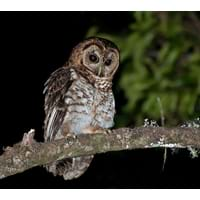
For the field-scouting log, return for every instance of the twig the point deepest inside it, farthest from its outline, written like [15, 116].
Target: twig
[162, 124]
[161, 112]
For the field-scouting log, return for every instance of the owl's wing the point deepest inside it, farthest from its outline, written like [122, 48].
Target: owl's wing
[55, 109]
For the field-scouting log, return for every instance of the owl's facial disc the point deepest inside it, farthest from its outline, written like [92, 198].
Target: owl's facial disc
[92, 59]
[111, 62]
[100, 61]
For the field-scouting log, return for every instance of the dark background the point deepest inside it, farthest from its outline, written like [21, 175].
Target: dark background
[34, 44]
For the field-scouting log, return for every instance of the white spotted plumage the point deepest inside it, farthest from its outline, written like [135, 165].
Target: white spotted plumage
[79, 99]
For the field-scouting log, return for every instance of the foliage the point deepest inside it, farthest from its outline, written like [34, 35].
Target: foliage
[160, 58]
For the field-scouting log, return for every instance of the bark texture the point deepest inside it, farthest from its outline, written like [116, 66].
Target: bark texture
[28, 153]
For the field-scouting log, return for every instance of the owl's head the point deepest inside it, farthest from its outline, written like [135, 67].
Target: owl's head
[97, 56]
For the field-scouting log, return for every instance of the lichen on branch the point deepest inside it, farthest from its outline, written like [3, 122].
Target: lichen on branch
[28, 153]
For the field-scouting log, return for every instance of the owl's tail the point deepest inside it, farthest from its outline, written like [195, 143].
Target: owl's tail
[70, 168]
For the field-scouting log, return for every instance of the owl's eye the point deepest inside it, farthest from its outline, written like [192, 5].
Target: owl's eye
[94, 58]
[108, 62]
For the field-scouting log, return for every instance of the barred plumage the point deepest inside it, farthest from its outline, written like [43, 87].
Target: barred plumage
[79, 99]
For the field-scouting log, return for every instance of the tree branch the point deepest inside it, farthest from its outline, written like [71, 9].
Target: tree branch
[29, 153]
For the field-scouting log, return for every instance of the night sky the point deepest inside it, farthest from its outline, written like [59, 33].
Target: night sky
[34, 44]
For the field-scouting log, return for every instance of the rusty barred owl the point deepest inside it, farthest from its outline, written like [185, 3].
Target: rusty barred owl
[79, 99]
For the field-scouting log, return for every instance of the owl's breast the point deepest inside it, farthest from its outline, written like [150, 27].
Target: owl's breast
[88, 107]
[104, 109]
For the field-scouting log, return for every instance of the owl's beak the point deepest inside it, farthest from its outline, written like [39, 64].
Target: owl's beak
[100, 71]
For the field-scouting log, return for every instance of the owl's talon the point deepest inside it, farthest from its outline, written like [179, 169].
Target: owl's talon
[107, 131]
[102, 131]
[71, 135]
[74, 136]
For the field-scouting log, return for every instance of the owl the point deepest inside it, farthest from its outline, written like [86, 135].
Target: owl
[79, 99]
